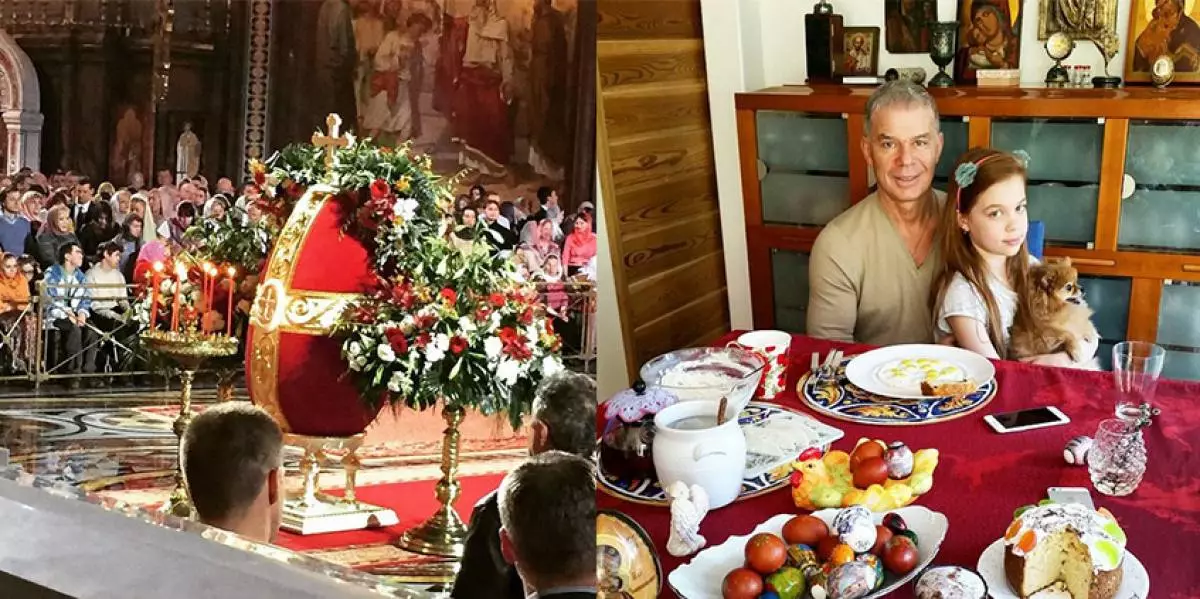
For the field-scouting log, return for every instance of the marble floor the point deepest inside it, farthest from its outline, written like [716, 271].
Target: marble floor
[117, 443]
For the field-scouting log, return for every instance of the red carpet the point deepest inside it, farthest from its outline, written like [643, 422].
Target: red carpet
[413, 502]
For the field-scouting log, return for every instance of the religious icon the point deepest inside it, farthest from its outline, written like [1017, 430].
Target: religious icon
[860, 51]
[1080, 19]
[989, 37]
[187, 154]
[907, 25]
[1164, 28]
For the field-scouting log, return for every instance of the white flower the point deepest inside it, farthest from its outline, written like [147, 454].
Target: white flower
[508, 372]
[492, 347]
[531, 333]
[551, 366]
[433, 354]
[394, 382]
[442, 342]
[385, 353]
[368, 343]
[495, 319]
[358, 363]
[405, 208]
[355, 349]
[466, 324]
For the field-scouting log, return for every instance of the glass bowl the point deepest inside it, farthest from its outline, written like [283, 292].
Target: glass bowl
[715, 372]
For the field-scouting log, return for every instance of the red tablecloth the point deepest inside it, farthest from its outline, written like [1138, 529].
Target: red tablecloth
[982, 476]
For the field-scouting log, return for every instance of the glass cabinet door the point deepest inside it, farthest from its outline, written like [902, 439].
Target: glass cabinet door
[789, 271]
[1109, 299]
[1064, 172]
[1163, 160]
[804, 167]
[1179, 330]
[956, 140]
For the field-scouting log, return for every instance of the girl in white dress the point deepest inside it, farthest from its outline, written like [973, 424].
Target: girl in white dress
[986, 277]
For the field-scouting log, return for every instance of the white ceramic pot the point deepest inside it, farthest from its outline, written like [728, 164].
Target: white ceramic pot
[712, 456]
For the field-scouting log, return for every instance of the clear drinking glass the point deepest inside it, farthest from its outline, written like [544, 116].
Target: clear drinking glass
[1136, 366]
[1117, 459]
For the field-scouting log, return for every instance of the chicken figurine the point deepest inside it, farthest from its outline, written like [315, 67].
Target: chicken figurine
[874, 475]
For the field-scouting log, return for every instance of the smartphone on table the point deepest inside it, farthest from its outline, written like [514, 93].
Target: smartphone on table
[1024, 420]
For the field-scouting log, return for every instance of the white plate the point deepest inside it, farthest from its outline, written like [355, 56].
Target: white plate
[702, 577]
[864, 370]
[1135, 582]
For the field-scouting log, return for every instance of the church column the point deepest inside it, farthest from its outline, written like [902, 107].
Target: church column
[24, 139]
[258, 69]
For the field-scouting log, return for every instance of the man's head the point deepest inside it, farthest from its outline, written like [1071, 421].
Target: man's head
[83, 191]
[547, 196]
[491, 210]
[548, 521]
[164, 177]
[225, 186]
[12, 199]
[564, 415]
[232, 456]
[187, 192]
[902, 140]
[137, 180]
[70, 255]
[110, 255]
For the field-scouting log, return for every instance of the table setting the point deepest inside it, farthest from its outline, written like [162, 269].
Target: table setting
[781, 466]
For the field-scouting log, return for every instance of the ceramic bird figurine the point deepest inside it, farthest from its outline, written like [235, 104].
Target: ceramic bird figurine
[688, 507]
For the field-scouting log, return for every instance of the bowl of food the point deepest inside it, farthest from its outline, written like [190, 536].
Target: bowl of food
[707, 374]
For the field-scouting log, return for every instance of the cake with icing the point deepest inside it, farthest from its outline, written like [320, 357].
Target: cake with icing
[1067, 545]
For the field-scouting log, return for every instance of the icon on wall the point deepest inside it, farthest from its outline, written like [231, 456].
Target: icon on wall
[989, 37]
[908, 24]
[860, 51]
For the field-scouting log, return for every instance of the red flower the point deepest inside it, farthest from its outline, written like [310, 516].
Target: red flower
[482, 313]
[365, 315]
[527, 316]
[380, 189]
[458, 345]
[449, 295]
[423, 339]
[507, 335]
[397, 340]
[550, 326]
[426, 321]
[496, 299]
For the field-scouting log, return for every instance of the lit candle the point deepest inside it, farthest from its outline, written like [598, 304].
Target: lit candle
[155, 280]
[181, 275]
[206, 290]
[229, 309]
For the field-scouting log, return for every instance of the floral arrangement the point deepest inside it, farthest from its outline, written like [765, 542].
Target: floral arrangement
[230, 241]
[441, 323]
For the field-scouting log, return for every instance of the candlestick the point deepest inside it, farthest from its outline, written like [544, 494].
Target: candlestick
[181, 274]
[154, 284]
[229, 309]
[206, 290]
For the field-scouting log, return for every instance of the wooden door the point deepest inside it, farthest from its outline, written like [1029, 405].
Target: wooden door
[654, 150]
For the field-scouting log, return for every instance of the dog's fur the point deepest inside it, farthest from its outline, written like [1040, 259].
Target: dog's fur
[1058, 318]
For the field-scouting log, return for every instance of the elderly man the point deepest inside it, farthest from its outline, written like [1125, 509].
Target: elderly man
[564, 416]
[232, 460]
[872, 267]
[548, 517]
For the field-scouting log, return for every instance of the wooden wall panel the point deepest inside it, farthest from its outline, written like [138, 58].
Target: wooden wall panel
[657, 160]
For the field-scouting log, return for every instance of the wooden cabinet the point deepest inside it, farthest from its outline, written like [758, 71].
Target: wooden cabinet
[1114, 175]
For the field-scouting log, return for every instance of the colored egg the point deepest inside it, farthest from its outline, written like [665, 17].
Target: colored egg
[851, 581]
[818, 584]
[787, 583]
[768, 595]
[912, 536]
[899, 460]
[859, 535]
[847, 518]
[876, 564]
[803, 557]
[894, 522]
[1075, 453]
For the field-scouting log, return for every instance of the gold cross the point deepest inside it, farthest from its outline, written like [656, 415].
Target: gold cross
[331, 141]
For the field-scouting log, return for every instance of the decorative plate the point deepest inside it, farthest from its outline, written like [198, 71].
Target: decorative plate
[775, 435]
[702, 577]
[845, 401]
[627, 565]
[897, 371]
[1135, 581]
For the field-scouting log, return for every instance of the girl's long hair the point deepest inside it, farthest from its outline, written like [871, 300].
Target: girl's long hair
[959, 253]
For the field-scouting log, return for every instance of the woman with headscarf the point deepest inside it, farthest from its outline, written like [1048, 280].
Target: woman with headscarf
[31, 207]
[130, 241]
[141, 207]
[173, 230]
[580, 245]
[543, 241]
[121, 205]
[57, 230]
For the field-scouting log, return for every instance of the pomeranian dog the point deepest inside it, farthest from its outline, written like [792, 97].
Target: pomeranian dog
[1058, 318]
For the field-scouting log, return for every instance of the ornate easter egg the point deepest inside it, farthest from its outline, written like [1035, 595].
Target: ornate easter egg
[1075, 453]
[851, 580]
[899, 460]
[856, 528]
[294, 366]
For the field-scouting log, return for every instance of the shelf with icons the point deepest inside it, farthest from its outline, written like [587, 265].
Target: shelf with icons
[184, 300]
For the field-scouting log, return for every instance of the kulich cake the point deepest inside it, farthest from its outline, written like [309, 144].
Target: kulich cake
[1066, 544]
[951, 582]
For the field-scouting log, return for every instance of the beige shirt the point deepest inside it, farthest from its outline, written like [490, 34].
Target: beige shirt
[864, 286]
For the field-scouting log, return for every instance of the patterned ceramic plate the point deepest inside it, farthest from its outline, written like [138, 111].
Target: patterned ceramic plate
[627, 563]
[768, 460]
[844, 401]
